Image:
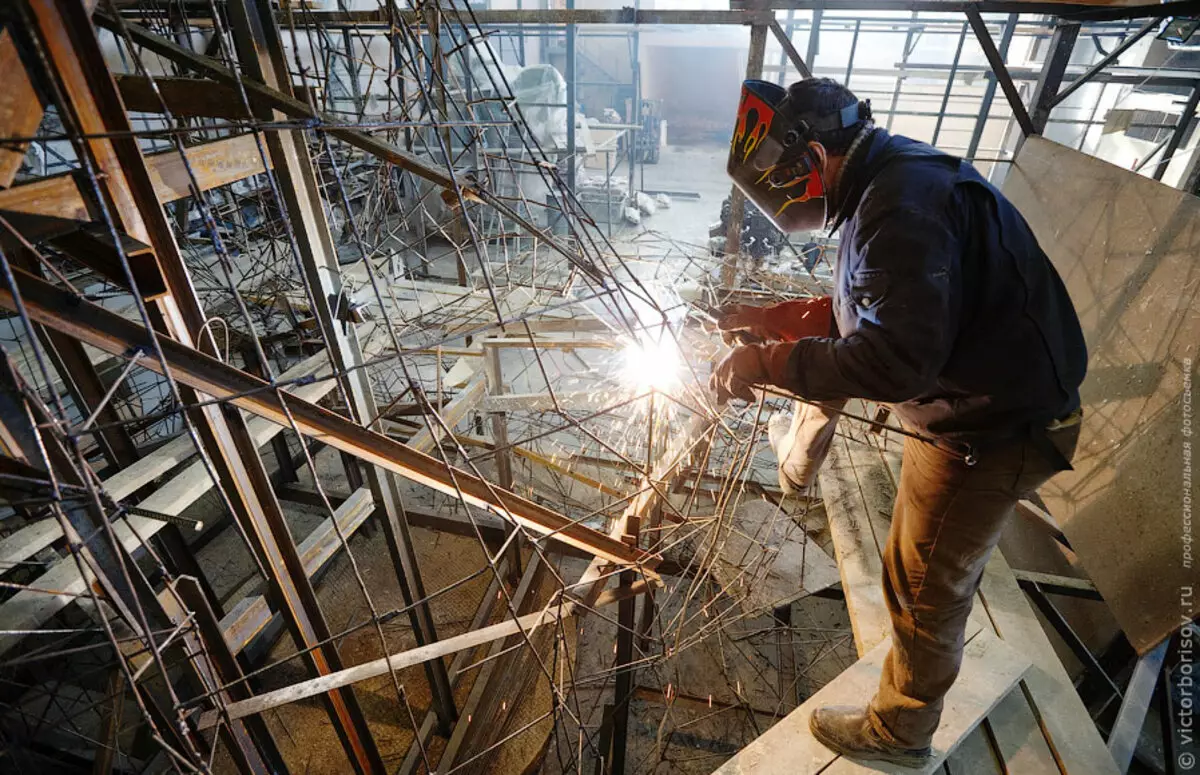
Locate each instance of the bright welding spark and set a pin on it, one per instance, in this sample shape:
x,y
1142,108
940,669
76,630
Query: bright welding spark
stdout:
x,y
651,364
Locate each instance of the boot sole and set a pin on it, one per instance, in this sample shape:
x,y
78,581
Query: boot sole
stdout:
x,y
911,762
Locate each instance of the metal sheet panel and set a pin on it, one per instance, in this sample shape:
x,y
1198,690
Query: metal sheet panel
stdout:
x,y
1126,247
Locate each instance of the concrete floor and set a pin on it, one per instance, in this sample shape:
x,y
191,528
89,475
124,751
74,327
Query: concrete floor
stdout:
x,y
692,169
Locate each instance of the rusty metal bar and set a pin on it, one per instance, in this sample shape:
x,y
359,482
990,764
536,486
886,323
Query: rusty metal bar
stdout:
x,y
107,331
260,52
89,98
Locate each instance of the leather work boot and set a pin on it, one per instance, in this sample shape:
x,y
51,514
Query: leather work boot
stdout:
x,y
845,729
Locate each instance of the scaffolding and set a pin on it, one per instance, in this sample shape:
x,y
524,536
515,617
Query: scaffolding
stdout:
x,y
327,415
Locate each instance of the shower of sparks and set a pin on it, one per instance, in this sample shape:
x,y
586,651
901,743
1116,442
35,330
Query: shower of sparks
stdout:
x,y
652,364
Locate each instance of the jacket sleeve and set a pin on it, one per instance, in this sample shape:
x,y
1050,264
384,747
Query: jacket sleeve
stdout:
x,y
906,296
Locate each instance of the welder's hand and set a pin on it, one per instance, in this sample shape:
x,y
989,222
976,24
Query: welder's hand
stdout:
x,y
783,322
741,324
747,366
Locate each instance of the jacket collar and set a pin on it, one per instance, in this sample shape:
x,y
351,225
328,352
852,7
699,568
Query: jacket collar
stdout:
x,y
881,149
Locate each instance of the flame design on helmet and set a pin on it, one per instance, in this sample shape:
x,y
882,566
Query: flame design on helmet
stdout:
x,y
747,138
812,190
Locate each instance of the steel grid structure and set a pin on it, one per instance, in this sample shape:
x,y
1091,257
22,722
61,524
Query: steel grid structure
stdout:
x,y
270,234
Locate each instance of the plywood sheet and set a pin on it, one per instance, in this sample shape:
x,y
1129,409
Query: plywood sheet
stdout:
x,y
1126,246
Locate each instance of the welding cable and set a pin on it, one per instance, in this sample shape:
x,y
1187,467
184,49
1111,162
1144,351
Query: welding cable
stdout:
x,y
960,449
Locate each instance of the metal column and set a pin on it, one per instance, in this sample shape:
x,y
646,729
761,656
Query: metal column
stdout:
x,y
1177,136
989,92
937,127
261,54
737,200
996,60
113,150
572,75
1057,58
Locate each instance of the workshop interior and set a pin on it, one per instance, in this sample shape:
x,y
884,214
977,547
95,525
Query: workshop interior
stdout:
x,y
370,400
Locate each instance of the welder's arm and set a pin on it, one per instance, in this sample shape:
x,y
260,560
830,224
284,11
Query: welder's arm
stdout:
x,y
907,304
786,321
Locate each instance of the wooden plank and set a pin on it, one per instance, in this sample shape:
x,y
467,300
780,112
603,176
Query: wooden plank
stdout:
x,y
28,541
1018,738
252,614
453,413
367,670
61,584
1068,727
990,670
184,97
1125,248
214,164
20,108
859,533
765,560
976,756
94,325
129,480
577,400
60,199
494,685
865,474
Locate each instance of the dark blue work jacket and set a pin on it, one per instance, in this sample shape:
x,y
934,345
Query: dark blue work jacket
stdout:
x,y
945,305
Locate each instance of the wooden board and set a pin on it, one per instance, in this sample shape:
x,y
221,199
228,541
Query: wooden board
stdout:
x,y
28,541
1126,248
765,560
859,532
853,482
253,612
62,584
1069,732
990,670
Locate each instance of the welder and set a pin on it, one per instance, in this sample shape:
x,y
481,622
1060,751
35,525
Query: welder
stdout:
x,y
943,308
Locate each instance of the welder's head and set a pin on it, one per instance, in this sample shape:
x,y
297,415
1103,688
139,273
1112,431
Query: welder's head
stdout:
x,y
782,142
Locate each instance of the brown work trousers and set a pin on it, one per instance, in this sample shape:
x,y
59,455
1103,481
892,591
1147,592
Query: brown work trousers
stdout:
x,y
947,520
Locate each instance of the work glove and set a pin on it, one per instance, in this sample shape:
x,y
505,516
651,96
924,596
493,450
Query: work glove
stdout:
x,y
749,365
786,321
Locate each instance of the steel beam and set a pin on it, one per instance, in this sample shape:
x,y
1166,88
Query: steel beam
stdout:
x,y
1058,56
260,52
92,105
1000,70
785,40
989,92
1110,58
261,94
742,13
937,127
737,200
1180,131
96,551
394,662
1075,11
495,689
814,36
219,667
110,332
1132,716
571,75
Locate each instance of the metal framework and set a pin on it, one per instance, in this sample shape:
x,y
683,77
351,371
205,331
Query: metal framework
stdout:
x,y
259,235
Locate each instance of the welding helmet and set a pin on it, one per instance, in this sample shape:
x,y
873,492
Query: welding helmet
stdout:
x,y
773,156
